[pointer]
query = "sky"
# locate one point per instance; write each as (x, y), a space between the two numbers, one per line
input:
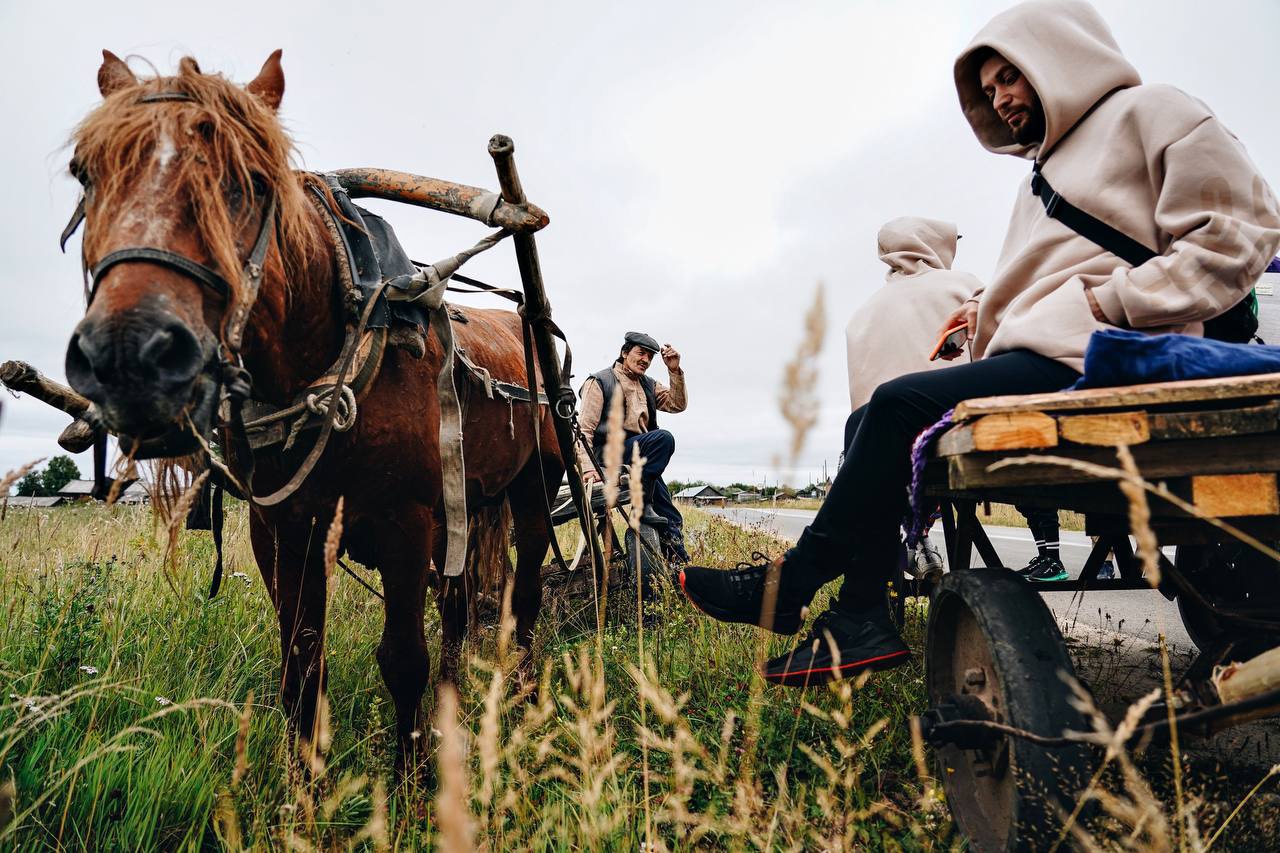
(706, 166)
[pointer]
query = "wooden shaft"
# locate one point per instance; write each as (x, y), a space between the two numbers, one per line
(24, 379)
(445, 196)
(537, 307)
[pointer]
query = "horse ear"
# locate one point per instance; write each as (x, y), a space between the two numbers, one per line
(269, 84)
(113, 74)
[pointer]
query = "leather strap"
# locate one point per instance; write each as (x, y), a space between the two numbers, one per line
(164, 258)
(452, 464)
(1090, 227)
(326, 428)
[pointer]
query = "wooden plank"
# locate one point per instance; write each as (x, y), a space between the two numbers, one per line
(1106, 430)
(1136, 396)
(1235, 495)
(1214, 422)
(1018, 431)
(1156, 460)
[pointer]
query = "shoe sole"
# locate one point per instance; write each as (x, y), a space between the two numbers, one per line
(1060, 576)
(825, 675)
(785, 626)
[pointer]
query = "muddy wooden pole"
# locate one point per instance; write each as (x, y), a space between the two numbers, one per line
(537, 310)
(446, 196)
(22, 378)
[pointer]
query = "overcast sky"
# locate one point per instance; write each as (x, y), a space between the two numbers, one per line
(705, 165)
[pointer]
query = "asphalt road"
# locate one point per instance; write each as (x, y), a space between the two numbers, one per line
(1140, 613)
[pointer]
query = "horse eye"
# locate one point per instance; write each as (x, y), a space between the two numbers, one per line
(77, 170)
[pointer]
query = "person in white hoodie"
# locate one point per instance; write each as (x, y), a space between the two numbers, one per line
(1045, 81)
(894, 331)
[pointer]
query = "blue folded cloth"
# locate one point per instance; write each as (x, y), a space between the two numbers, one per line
(1120, 357)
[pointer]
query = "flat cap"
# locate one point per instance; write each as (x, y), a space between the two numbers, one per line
(640, 339)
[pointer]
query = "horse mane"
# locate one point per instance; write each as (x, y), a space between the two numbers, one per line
(226, 141)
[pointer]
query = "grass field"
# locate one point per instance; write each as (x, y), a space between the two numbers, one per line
(136, 715)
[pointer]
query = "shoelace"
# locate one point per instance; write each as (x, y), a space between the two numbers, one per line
(750, 572)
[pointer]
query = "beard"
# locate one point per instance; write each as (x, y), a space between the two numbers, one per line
(1032, 128)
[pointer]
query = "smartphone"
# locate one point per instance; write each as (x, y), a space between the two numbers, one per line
(952, 340)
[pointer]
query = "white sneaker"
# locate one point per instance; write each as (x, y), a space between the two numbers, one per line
(926, 561)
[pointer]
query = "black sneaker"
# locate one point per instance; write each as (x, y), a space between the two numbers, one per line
(839, 646)
(1049, 569)
(1026, 570)
(737, 595)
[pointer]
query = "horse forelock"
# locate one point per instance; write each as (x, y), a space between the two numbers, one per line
(143, 157)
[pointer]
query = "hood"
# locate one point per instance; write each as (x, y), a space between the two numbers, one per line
(1066, 52)
(911, 245)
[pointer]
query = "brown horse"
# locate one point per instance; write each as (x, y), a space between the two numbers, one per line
(185, 164)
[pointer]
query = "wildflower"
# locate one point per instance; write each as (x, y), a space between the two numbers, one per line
(162, 702)
(31, 704)
(242, 576)
(89, 670)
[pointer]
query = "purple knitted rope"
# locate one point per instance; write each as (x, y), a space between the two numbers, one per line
(921, 516)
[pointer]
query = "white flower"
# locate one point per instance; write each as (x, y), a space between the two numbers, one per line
(89, 670)
(161, 701)
(31, 704)
(242, 576)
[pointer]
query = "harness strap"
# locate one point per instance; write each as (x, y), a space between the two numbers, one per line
(326, 428)
(164, 258)
(452, 463)
(215, 526)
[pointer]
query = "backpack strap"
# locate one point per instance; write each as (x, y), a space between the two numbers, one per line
(1090, 227)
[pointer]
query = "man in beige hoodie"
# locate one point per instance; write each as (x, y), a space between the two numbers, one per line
(1046, 81)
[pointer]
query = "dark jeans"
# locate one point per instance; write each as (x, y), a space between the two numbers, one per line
(856, 532)
(657, 447)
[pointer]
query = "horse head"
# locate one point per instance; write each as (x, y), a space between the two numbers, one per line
(185, 179)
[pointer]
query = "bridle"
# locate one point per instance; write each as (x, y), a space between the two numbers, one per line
(233, 379)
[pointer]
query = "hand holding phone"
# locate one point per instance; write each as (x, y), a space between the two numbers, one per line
(951, 344)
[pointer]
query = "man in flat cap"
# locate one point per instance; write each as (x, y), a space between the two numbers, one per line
(642, 398)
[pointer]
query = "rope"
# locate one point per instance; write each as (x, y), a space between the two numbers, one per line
(920, 513)
(360, 580)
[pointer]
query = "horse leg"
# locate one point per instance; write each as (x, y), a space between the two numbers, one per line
(290, 557)
(402, 654)
(453, 600)
(527, 494)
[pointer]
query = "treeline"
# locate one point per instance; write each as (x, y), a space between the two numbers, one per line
(43, 483)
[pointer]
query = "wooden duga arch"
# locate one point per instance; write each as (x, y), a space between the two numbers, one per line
(215, 281)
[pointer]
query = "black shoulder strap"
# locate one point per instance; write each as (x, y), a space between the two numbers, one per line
(1091, 228)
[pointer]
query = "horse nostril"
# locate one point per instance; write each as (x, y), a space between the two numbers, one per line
(84, 368)
(173, 352)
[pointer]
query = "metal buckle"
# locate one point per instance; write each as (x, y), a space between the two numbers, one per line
(1052, 205)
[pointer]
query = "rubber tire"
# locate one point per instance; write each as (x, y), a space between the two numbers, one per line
(1027, 654)
(1225, 573)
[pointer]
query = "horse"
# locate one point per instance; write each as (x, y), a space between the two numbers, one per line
(195, 166)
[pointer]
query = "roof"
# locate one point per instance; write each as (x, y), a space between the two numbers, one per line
(75, 488)
(30, 501)
(699, 492)
(135, 493)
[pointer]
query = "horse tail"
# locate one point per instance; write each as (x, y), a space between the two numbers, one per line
(488, 563)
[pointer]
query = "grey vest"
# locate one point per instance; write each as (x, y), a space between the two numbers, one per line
(609, 382)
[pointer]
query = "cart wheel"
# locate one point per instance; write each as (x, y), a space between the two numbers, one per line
(1235, 576)
(991, 638)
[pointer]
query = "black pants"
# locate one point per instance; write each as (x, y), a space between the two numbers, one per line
(856, 532)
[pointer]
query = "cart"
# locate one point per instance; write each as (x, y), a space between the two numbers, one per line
(996, 665)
